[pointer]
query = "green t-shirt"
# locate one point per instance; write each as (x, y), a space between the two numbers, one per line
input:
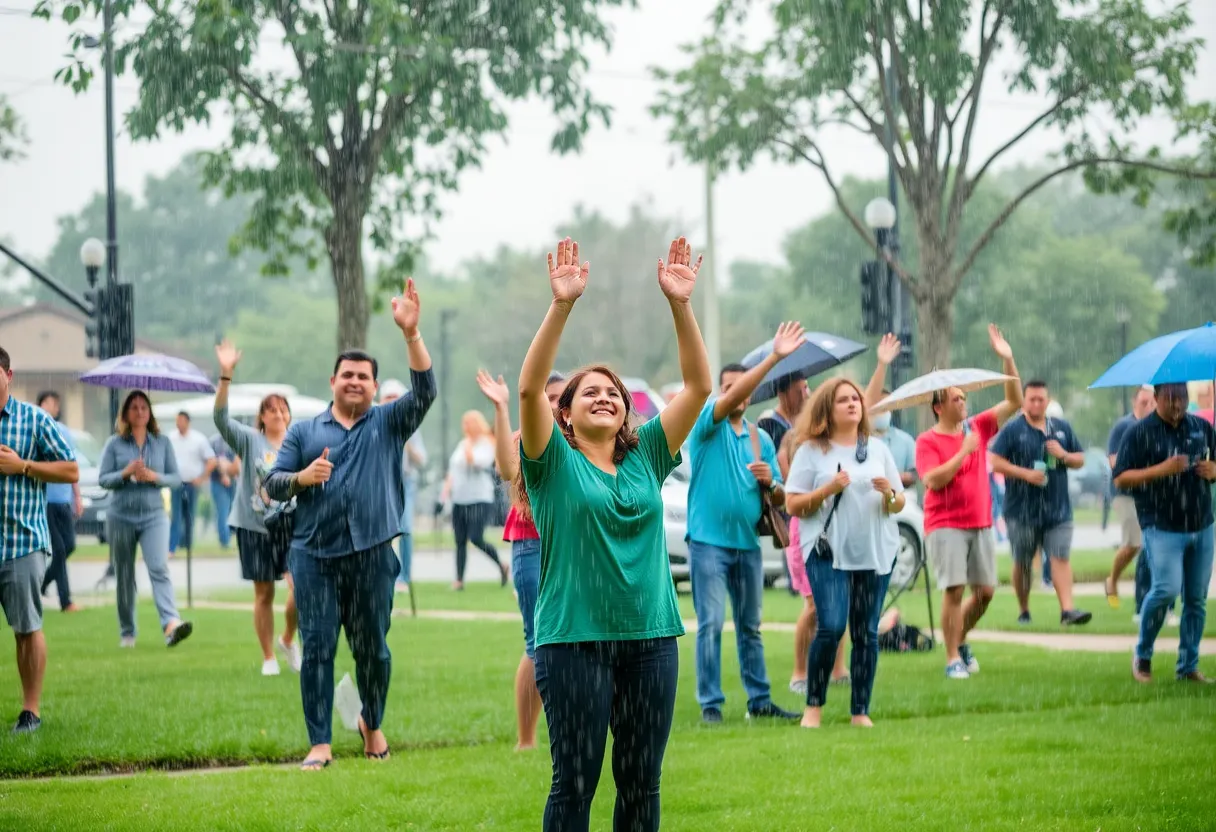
(604, 573)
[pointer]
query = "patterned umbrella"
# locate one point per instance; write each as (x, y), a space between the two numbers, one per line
(920, 390)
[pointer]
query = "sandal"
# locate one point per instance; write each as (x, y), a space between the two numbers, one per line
(1112, 593)
(313, 764)
(372, 755)
(179, 634)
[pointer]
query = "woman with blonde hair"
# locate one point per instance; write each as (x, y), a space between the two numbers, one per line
(470, 488)
(137, 464)
(845, 490)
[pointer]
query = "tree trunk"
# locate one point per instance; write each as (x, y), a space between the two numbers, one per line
(344, 240)
(935, 325)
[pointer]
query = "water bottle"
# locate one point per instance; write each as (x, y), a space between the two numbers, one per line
(1049, 459)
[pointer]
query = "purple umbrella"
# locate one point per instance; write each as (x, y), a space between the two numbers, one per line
(149, 372)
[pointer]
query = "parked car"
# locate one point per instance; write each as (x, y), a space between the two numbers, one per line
(675, 520)
(1091, 482)
(647, 403)
(94, 499)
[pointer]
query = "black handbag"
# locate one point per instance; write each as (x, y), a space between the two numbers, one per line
(823, 549)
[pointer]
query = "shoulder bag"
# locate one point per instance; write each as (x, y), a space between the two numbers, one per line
(823, 549)
(771, 523)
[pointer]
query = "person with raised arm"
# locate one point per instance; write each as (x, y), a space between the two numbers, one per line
(521, 533)
(343, 467)
(262, 526)
(606, 614)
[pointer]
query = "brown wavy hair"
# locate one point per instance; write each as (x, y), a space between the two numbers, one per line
(626, 437)
(122, 427)
(273, 398)
(814, 422)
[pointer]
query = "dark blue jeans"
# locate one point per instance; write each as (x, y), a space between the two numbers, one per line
(221, 501)
(855, 599)
(352, 592)
(181, 523)
(628, 687)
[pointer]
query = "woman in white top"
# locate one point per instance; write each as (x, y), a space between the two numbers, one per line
(843, 479)
(470, 488)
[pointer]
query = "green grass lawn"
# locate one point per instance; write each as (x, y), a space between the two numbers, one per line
(1038, 740)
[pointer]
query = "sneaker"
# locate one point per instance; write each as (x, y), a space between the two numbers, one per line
(711, 716)
(126, 641)
(1172, 620)
(1069, 618)
(1195, 676)
(290, 653)
(270, 667)
(27, 723)
(179, 634)
(798, 686)
(770, 710)
(1024, 619)
(957, 670)
(964, 653)
(1047, 586)
(1142, 670)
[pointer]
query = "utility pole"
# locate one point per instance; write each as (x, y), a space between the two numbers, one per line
(445, 366)
(111, 209)
(713, 338)
(898, 299)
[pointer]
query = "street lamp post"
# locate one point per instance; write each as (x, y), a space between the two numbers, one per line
(880, 215)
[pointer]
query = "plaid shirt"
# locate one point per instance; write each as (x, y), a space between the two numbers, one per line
(33, 434)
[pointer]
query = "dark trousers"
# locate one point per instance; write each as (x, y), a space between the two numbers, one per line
(628, 687)
(844, 597)
(352, 592)
(469, 525)
(181, 525)
(61, 520)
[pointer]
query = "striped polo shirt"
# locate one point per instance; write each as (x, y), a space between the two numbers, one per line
(33, 434)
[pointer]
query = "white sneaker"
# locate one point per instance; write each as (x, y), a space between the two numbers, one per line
(270, 667)
(798, 686)
(957, 670)
(126, 641)
(290, 653)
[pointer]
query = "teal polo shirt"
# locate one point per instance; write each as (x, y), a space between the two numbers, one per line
(723, 496)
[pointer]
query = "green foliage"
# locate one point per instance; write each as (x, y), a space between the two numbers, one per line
(862, 65)
(369, 113)
(13, 137)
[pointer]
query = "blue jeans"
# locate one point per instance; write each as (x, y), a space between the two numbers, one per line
(855, 599)
(352, 592)
(181, 527)
(628, 687)
(405, 546)
(221, 501)
(1180, 563)
(715, 573)
(525, 570)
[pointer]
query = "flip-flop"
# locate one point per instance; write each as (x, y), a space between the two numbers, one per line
(1112, 593)
(372, 755)
(314, 765)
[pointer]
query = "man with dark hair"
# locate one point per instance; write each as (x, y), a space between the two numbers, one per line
(732, 460)
(33, 452)
(1168, 462)
(1035, 452)
(344, 470)
(63, 506)
(792, 392)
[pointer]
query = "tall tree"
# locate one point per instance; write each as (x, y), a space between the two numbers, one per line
(925, 68)
(361, 114)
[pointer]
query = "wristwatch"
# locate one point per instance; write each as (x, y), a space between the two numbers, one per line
(891, 498)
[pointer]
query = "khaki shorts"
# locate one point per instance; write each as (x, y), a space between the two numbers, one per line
(1124, 508)
(963, 557)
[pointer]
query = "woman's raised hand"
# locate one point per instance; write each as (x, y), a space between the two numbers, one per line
(566, 277)
(227, 355)
(679, 275)
(496, 391)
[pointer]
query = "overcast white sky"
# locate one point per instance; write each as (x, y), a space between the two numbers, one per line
(510, 200)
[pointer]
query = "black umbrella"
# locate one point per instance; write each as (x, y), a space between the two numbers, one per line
(821, 351)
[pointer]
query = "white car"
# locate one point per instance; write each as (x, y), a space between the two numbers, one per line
(675, 521)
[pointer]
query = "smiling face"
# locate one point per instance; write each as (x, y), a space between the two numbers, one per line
(597, 408)
(354, 385)
(274, 415)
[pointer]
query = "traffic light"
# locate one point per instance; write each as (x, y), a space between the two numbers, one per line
(875, 298)
(113, 317)
(92, 340)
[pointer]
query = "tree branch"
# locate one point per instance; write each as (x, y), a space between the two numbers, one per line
(321, 122)
(986, 237)
(888, 109)
(303, 146)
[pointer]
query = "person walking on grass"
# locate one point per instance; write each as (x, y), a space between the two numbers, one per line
(413, 460)
(224, 479)
(724, 502)
(470, 489)
(1035, 453)
(33, 453)
(63, 506)
(845, 490)
(343, 467)
(520, 531)
(1168, 462)
(606, 612)
(952, 461)
(195, 460)
(138, 464)
(262, 526)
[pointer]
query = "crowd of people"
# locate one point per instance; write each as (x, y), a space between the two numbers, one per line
(320, 502)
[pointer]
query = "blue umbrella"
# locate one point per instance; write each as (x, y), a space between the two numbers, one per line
(149, 372)
(820, 352)
(1186, 355)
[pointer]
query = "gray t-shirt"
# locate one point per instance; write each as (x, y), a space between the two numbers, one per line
(472, 484)
(257, 458)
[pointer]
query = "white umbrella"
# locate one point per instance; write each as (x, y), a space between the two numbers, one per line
(920, 390)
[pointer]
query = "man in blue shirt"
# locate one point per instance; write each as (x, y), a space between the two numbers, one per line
(62, 508)
(1168, 462)
(344, 470)
(1034, 452)
(723, 548)
(33, 452)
